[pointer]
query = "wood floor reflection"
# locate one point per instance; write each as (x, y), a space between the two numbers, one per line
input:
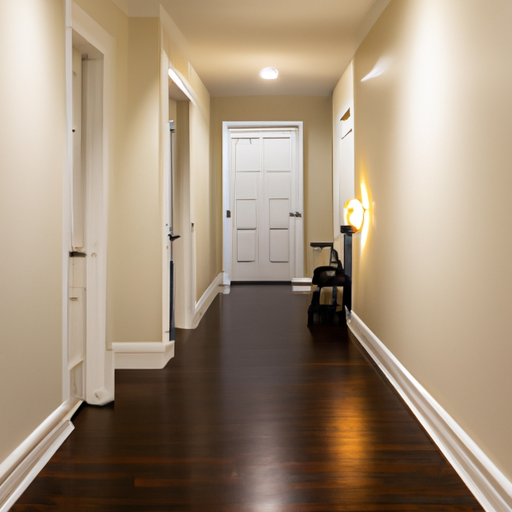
(256, 413)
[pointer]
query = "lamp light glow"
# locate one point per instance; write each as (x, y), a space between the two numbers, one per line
(354, 214)
(365, 200)
(269, 73)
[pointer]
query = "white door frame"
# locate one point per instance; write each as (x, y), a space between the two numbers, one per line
(227, 127)
(99, 361)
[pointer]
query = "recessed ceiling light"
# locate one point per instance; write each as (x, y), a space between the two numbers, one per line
(269, 73)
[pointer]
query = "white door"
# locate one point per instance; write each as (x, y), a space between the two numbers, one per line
(77, 262)
(264, 167)
(89, 365)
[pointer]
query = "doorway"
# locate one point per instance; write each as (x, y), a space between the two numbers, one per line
(263, 201)
(88, 363)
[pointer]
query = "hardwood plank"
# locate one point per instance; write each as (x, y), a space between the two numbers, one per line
(257, 412)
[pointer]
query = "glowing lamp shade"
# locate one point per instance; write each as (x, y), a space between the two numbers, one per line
(354, 214)
(269, 73)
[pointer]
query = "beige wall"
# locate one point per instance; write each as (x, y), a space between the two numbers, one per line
(203, 210)
(342, 150)
(195, 254)
(134, 297)
(135, 234)
(315, 112)
(32, 153)
(432, 144)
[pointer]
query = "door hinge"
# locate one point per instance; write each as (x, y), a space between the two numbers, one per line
(228, 214)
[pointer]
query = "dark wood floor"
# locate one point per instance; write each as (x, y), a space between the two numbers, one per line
(256, 413)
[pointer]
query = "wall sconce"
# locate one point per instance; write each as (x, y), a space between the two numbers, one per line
(355, 214)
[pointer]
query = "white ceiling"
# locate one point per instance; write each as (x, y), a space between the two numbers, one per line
(310, 42)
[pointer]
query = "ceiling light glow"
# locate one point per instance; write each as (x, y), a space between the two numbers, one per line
(269, 73)
(179, 82)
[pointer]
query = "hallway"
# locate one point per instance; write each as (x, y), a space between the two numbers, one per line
(256, 413)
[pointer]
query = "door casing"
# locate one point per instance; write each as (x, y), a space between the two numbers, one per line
(99, 90)
(227, 128)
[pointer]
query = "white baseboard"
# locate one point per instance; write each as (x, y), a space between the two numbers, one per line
(301, 281)
(21, 467)
(207, 298)
(150, 355)
(155, 355)
(487, 483)
(301, 284)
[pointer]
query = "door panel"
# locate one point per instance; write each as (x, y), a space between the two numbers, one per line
(77, 264)
(278, 184)
(248, 155)
(78, 199)
(247, 244)
(246, 214)
(263, 198)
(277, 154)
(279, 216)
(279, 246)
(246, 186)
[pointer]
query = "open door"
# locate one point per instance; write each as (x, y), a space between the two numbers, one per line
(89, 365)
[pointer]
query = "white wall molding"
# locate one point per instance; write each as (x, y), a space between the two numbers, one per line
(207, 298)
(301, 284)
(99, 90)
(488, 484)
(142, 355)
(21, 467)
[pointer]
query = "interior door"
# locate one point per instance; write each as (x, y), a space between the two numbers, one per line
(264, 168)
(77, 262)
(170, 233)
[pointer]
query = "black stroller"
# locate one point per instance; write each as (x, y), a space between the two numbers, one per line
(330, 276)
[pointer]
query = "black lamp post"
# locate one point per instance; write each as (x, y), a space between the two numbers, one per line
(347, 232)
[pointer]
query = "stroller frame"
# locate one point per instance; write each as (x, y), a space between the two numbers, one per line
(329, 276)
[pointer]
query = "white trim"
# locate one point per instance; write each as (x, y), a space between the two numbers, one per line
(298, 281)
(183, 250)
(488, 484)
(301, 285)
(207, 298)
(67, 191)
(147, 355)
(227, 126)
(21, 467)
(142, 355)
(165, 191)
(182, 83)
(99, 367)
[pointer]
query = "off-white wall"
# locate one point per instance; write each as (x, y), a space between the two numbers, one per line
(432, 132)
(343, 147)
(32, 153)
(316, 113)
